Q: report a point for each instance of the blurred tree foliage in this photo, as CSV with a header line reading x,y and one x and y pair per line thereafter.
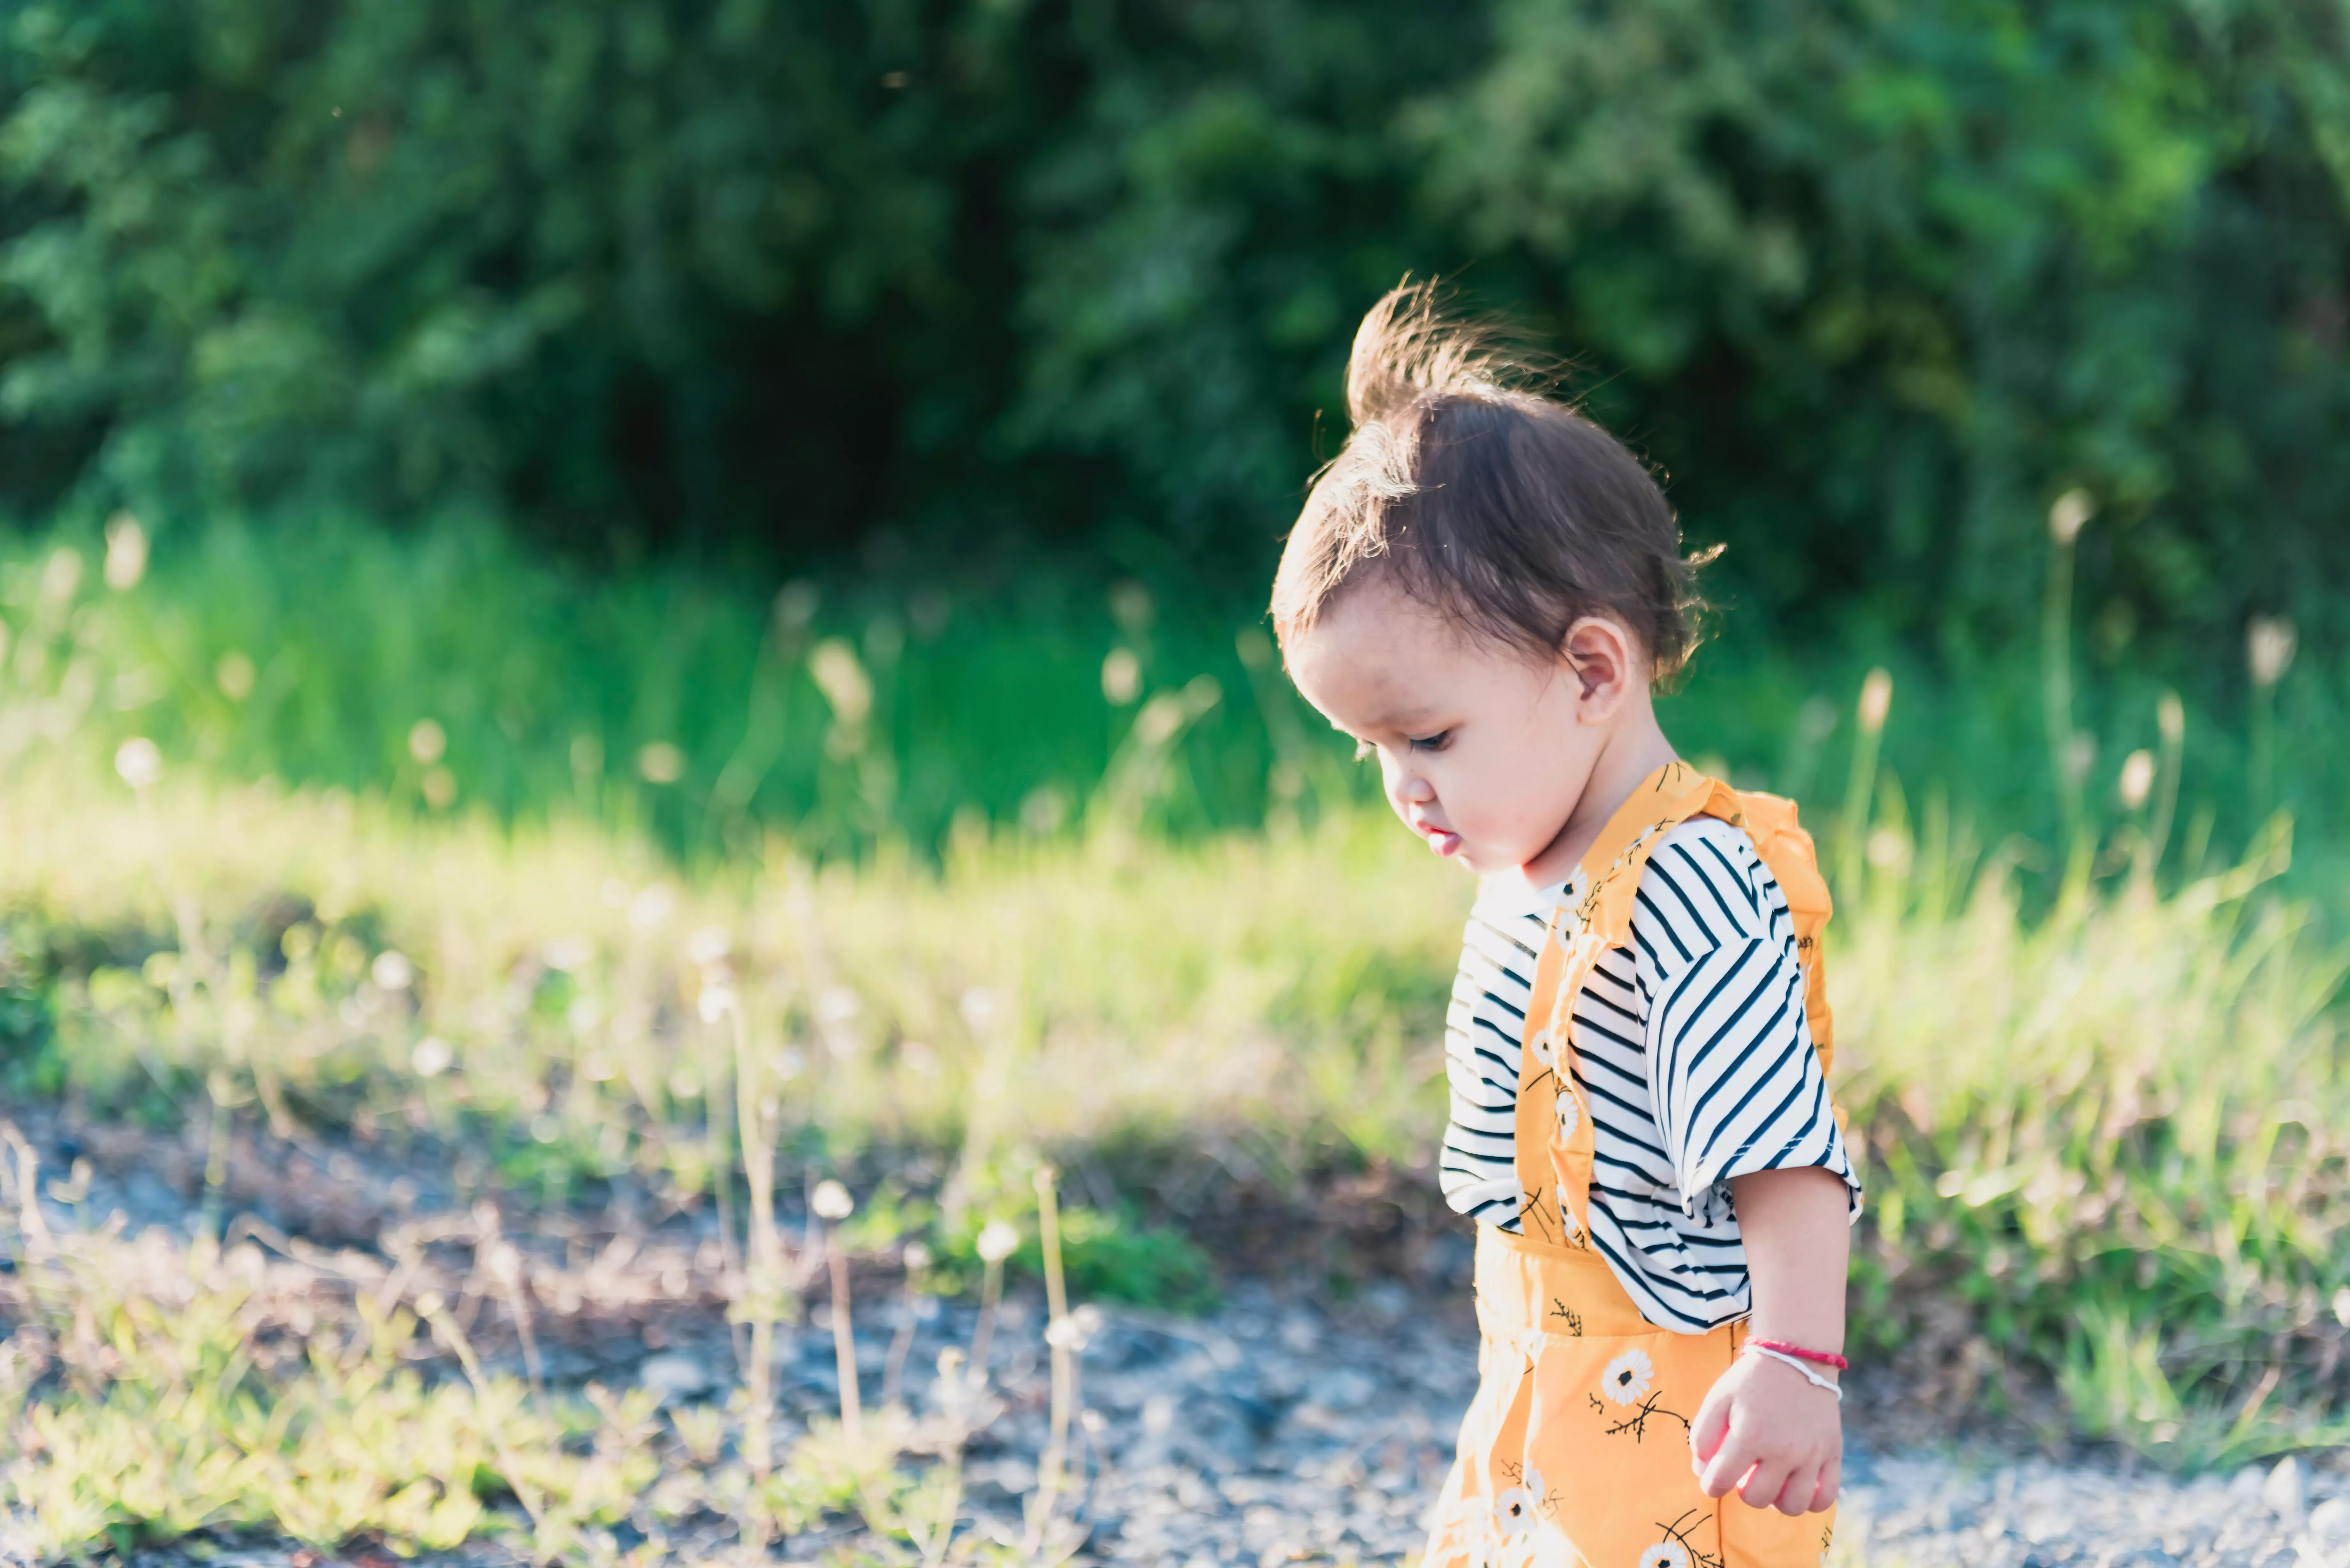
x,y
1872,279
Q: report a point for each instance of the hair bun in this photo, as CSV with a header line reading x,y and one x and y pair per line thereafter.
x,y
1412,345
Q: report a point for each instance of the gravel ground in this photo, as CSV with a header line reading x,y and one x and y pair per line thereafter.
x,y
1283,1427
1277,1432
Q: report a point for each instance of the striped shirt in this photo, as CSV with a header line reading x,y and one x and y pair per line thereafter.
x,y
1693,1053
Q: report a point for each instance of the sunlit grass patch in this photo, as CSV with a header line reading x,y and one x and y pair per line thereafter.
x,y
154,1390
2111,1144
173,1403
2105,1146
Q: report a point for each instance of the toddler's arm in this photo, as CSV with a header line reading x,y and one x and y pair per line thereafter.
x,y
1763,1430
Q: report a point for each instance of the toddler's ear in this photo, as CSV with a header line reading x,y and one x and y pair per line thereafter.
x,y
1605,661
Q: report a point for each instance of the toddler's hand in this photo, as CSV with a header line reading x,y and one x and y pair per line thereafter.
x,y
1769,1434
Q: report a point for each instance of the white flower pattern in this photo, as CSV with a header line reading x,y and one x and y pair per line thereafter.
x,y
1516,1513
1626,1379
1570,1113
1665,1554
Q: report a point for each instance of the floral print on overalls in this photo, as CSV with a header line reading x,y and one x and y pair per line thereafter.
x,y
1576,1448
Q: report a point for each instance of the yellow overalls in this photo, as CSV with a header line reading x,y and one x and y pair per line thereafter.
x,y
1576,1446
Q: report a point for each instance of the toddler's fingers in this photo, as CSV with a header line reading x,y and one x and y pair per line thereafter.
x,y
1794,1498
1729,1466
1762,1488
1712,1424
1831,1483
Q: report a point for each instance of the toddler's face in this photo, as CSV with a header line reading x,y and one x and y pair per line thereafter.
x,y
1484,751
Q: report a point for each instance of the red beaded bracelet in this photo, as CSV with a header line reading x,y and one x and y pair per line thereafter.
x,y
1825,1357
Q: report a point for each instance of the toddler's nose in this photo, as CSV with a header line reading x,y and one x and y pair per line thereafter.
x,y
1419,791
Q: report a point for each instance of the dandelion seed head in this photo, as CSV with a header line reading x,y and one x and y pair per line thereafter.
x,y
392,970
2068,515
831,1201
916,1256
2138,779
977,1007
1121,677
650,910
139,762
709,946
716,1002
126,552
235,675
998,1240
428,742
660,763
833,667
431,1056
2269,642
440,787
1876,700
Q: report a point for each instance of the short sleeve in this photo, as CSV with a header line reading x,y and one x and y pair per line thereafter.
x,y
1736,1084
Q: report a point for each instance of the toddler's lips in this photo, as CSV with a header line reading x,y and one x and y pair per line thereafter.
x,y
1441,843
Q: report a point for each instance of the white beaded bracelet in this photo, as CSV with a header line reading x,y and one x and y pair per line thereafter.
x,y
1810,1376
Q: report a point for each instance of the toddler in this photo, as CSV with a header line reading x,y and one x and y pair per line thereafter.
x,y
1482,589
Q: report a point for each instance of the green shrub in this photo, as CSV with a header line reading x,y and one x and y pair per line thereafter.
x,y
1872,283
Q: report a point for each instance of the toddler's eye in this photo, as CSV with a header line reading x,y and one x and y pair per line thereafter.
x,y
1433,742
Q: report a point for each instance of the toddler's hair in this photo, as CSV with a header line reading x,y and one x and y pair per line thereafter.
x,y
1499,508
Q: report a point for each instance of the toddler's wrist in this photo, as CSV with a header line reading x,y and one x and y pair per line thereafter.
x,y
1810,1352
1819,1376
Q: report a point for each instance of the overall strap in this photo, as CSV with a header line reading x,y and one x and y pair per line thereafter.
x,y
1553,1141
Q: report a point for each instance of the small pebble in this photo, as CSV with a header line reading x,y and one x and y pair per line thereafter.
x,y
2283,1492
674,1378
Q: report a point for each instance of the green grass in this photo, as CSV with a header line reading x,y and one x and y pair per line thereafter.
x,y
2097,1087
310,654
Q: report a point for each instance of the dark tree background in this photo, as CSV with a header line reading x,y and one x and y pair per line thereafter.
x,y
1872,279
